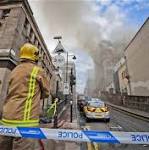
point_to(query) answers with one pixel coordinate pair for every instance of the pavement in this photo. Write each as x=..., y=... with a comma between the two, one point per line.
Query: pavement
x=64, y=123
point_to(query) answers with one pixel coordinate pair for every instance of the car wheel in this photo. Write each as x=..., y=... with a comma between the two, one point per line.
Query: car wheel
x=107, y=120
x=87, y=119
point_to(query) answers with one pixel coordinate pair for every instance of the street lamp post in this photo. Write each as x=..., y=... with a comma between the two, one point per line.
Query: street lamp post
x=67, y=68
x=71, y=102
x=66, y=80
x=56, y=113
x=61, y=50
x=71, y=105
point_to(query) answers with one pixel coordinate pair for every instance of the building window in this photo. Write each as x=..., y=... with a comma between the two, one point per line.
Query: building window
x=25, y=24
x=45, y=60
x=40, y=55
x=124, y=90
x=36, y=42
x=25, y=28
x=124, y=74
x=49, y=63
x=1, y=14
x=5, y=13
x=39, y=47
x=28, y=29
x=44, y=55
x=32, y=36
x=40, y=51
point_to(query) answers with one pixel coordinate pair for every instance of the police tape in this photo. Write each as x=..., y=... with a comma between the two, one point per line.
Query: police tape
x=77, y=135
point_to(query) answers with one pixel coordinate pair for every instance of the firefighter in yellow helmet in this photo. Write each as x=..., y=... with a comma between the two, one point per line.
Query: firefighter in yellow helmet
x=27, y=85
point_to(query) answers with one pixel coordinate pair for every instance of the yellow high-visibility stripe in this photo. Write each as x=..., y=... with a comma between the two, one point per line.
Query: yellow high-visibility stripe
x=29, y=94
x=20, y=121
x=55, y=107
x=19, y=124
x=31, y=90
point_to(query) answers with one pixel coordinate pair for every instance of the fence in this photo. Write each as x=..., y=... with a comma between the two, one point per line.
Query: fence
x=60, y=107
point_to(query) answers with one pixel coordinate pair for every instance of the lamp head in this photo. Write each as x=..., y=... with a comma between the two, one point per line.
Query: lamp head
x=74, y=57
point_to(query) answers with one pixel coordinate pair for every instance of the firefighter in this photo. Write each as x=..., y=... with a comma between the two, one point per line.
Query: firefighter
x=27, y=85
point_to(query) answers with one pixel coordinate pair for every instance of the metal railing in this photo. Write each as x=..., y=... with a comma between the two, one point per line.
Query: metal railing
x=60, y=107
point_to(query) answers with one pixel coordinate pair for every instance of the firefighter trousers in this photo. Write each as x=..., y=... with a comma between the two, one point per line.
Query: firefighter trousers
x=15, y=143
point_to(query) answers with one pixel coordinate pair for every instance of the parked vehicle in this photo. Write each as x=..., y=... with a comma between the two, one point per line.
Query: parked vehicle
x=88, y=98
x=96, y=109
x=81, y=102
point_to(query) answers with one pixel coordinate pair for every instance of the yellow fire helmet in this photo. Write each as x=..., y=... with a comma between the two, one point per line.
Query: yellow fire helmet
x=29, y=51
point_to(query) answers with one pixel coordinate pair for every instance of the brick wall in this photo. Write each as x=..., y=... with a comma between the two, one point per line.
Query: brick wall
x=135, y=102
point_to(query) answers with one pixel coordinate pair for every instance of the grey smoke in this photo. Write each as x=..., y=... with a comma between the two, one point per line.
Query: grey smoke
x=84, y=26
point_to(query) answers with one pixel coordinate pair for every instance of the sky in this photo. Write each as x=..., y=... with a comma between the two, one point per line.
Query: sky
x=85, y=24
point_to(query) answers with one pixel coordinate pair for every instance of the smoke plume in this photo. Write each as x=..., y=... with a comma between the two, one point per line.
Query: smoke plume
x=86, y=25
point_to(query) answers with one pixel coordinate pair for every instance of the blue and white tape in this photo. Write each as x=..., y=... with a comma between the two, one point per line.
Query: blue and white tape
x=77, y=135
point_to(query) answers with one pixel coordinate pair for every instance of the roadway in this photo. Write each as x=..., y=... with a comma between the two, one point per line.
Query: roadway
x=120, y=121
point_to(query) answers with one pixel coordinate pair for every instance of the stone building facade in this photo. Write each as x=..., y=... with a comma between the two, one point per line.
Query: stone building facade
x=18, y=26
x=121, y=85
x=71, y=70
x=137, y=59
x=68, y=67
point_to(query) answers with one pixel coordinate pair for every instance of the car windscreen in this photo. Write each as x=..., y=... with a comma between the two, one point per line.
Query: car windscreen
x=88, y=98
x=96, y=104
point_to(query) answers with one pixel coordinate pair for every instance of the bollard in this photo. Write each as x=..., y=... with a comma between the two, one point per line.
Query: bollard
x=71, y=111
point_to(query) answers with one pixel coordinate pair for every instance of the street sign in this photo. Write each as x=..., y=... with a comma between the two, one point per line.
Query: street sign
x=59, y=48
x=58, y=60
x=66, y=89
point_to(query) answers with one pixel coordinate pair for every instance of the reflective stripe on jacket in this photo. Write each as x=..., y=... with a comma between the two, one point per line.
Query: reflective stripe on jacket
x=27, y=85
